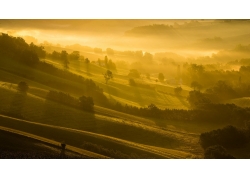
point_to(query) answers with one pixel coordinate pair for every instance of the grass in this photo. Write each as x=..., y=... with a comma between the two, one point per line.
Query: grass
x=79, y=138
x=118, y=88
x=34, y=107
x=21, y=147
x=37, y=109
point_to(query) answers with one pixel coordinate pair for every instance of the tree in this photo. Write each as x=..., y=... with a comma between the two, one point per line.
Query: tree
x=98, y=50
x=147, y=57
x=229, y=137
x=56, y=55
x=132, y=82
x=161, y=77
x=217, y=152
x=196, y=98
x=38, y=50
x=196, y=85
x=108, y=75
x=86, y=103
x=87, y=61
x=134, y=73
x=177, y=90
x=23, y=87
x=110, y=51
x=75, y=55
x=64, y=58
x=29, y=57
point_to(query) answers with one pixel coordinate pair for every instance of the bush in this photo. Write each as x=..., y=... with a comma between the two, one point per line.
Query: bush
x=229, y=137
x=23, y=87
x=132, y=82
x=133, y=73
x=86, y=103
x=196, y=99
x=217, y=152
x=177, y=90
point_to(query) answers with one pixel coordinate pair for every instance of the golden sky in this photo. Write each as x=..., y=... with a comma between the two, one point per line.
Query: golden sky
x=146, y=35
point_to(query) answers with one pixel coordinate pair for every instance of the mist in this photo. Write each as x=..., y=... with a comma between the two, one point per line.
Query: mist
x=185, y=37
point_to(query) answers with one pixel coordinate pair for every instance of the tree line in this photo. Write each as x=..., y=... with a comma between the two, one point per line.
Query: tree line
x=15, y=48
x=206, y=114
x=217, y=142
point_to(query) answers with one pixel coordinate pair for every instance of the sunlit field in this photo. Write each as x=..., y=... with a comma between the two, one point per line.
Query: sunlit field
x=137, y=89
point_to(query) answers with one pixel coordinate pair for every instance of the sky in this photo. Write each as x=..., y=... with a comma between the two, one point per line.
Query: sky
x=195, y=36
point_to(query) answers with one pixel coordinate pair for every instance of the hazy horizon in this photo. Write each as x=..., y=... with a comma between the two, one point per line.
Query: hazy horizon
x=185, y=37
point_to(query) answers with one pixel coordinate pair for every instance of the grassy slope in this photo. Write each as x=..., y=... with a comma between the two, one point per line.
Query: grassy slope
x=37, y=109
x=119, y=89
x=120, y=125
x=18, y=144
x=78, y=137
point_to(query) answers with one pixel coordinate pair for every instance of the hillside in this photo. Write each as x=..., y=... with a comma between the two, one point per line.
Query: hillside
x=131, y=130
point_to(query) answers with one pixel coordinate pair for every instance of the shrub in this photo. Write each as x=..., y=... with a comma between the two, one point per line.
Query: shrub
x=217, y=152
x=23, y=87
x=132, y=82
x=229, y=137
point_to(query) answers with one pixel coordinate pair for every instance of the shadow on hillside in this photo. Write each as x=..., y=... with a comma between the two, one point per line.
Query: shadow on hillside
x=77, y=65
x=138, y=97
x=61, y=115
x=17, y=105
x=87, y=69
x=111, y=91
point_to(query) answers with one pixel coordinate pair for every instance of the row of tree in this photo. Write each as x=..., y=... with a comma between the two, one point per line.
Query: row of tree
x=15, y=48
x=216, y=114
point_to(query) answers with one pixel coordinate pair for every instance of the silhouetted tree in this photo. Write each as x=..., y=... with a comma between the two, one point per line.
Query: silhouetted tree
x=196, y=99
x=75, y=55
x=134, y=73
x=86, y=103
x=221, y=91
x=217, y=152
x=29, y=57
x=177, y=90
x=147, y=58
x=23, y=87
x=110, y=51
x=64, y=58
x=55, y=55
x=98, y=50
x=132, y=82
x=108, y=75
x=196, y=85
x=229, y=137
x=87, y=61
x=38, y=50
